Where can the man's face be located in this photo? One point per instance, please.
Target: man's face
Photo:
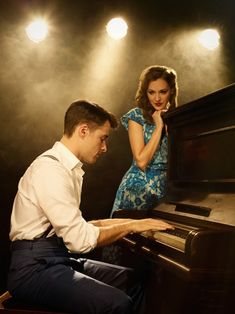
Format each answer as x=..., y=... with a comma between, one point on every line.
x=95, y=143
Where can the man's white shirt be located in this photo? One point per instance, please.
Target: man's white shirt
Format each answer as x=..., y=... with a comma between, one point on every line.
x=50, y=193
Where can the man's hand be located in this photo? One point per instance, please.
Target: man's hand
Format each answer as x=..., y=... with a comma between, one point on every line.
x=150, y=224
x=112, y=232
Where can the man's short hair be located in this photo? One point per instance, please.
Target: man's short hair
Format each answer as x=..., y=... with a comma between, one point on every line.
x=82, y=111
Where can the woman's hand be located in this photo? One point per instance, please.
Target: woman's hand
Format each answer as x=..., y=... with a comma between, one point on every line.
x=157, y=118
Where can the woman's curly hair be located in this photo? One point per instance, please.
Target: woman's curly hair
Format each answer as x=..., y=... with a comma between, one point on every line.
x=148, y=75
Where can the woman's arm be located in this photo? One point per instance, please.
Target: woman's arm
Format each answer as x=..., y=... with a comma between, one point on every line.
x=142, y=153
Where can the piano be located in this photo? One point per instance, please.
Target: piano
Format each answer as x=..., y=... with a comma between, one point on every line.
x=197, y=258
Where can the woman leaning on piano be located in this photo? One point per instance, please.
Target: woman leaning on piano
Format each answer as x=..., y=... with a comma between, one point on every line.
x=145, y=181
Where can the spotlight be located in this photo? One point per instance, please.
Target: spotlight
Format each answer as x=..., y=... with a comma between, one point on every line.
x=209, y=39
x=117, y=28
x=37, y=30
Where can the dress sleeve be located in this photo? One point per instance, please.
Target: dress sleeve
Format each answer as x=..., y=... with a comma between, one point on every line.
x=134, y=114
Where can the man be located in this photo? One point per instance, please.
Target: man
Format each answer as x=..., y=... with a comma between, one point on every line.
x=47, y=226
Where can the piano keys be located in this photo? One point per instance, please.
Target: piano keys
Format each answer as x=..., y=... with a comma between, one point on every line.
x=172, y=238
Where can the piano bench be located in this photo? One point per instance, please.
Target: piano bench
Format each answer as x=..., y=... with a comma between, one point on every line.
x=10, y=306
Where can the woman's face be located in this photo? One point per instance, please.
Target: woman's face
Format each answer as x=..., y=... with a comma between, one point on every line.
x=158, y=93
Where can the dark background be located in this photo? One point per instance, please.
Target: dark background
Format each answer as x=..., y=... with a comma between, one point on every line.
x=78, y=60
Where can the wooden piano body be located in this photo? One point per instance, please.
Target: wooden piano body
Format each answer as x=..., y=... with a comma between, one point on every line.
x=197, y=259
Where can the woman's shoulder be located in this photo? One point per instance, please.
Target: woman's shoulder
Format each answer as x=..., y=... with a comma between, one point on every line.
x=134, y=114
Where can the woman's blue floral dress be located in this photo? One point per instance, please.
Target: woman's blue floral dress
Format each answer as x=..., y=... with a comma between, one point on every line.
x=142, y=189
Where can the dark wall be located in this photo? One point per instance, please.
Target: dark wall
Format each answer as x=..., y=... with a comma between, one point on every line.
x=8, y=189
x=102, y=179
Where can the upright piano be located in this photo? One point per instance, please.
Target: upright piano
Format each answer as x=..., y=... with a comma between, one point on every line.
x=196, y=260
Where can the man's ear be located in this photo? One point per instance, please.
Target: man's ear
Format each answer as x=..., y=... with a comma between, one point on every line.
x=83, y=130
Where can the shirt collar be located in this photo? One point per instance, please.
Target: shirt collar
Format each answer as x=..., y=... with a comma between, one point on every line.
x=66, y=157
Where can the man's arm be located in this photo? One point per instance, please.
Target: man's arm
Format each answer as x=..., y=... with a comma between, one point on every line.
x=115, y=229
x=108, y=222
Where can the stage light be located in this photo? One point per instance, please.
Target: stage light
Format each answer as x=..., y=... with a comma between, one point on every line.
x=37, y=30
x=209, y=39
x=117, y=28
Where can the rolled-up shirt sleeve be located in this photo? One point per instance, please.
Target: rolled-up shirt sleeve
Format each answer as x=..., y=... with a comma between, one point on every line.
x=58, y=194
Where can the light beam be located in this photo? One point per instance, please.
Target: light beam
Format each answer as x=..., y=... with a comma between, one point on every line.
x=209, y=39
x=117, y=28
x=37, y=30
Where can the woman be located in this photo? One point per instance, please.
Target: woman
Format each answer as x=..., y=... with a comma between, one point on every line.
x=144, y=183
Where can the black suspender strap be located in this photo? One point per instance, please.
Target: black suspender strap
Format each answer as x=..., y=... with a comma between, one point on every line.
x=47, y=231
x=50, y=156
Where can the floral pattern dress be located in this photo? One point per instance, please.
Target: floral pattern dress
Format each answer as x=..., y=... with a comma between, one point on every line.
x=142, y=189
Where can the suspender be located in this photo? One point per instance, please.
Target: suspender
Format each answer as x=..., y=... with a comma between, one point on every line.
x=50, y=156
x=47, y=231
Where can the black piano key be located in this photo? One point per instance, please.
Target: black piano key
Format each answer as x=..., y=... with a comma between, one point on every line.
x=181, y=233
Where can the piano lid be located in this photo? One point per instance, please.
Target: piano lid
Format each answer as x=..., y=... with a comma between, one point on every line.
x=201, y=158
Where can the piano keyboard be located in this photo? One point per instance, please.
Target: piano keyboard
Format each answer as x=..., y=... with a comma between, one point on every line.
x=175, y=238
x=182, y=233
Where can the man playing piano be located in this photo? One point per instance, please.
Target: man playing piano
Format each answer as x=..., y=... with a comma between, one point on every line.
x=47, y=227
